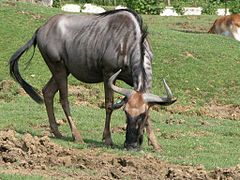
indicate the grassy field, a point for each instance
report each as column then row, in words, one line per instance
column 201, row 69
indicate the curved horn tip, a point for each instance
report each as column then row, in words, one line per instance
column 174, row 99
column 125, row 92
column 119, row 70
column 115, row 74
column 168, row 90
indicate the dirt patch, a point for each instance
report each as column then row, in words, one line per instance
column 179, row 109
column 9, row 3
column 95, row 99
column 6, row 85
column 221, row 111
column 213, row 109
column 119, row 129
column 84, row 96
column 171, row 121
column 188, row 26
column 31, row 155
column 33, row 15
column 6, row 90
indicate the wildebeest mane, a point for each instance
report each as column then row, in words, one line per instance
column 143, row 27
column 144, row 36
column 139, row 19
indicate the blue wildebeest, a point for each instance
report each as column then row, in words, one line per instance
column 97, row 48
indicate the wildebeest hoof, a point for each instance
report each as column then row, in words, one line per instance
column 108, row 142
column 78, row 140
column 57, row 134
column 77, row 137
column 157, row 148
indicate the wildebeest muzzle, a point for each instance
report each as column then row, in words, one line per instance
column 135, row 131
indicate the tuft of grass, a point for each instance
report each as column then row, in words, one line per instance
column 5, row 176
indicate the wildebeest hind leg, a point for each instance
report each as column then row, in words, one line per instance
column 48, row 93
column 60, row 76
column 151, row 136
column 108, row 106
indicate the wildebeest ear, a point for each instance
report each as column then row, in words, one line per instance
column 119, row 104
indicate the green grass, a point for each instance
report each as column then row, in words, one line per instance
column 200, row 68
column 214, row 143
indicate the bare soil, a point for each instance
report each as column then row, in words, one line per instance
column 94, row 99
column 31, row 155
column 189, row 27
column 86, row 96
column 216, row 110
column 213, row 109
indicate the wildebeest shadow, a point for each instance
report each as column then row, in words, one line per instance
column 26, row 132
column 90, row 143
column 96, row 144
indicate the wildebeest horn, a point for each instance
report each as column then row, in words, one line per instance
column 168, row 90
column 154, row 99
column 125, row 92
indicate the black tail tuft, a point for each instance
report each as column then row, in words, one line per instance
column 14, row 70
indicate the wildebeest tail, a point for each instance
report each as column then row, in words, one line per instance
column 14, row 69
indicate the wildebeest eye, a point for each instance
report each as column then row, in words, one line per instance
column 140, row 119
column 142, row 116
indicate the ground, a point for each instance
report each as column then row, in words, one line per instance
column 31, row 155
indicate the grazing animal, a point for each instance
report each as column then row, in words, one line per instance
column 97, row 48
column 227, row 25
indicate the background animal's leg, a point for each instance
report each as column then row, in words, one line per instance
column 151, row 136
column 49, row 91
column 108, row 107
column 61, row 79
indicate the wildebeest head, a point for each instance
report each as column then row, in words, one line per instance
column 136, row 108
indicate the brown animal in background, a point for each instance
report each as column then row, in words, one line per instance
column 228, row 26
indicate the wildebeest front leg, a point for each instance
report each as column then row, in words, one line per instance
column 108, row 107
column 151, row 136
column 48, row 93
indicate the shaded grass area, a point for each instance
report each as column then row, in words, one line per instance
column 200, row 68
column 20, row 177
